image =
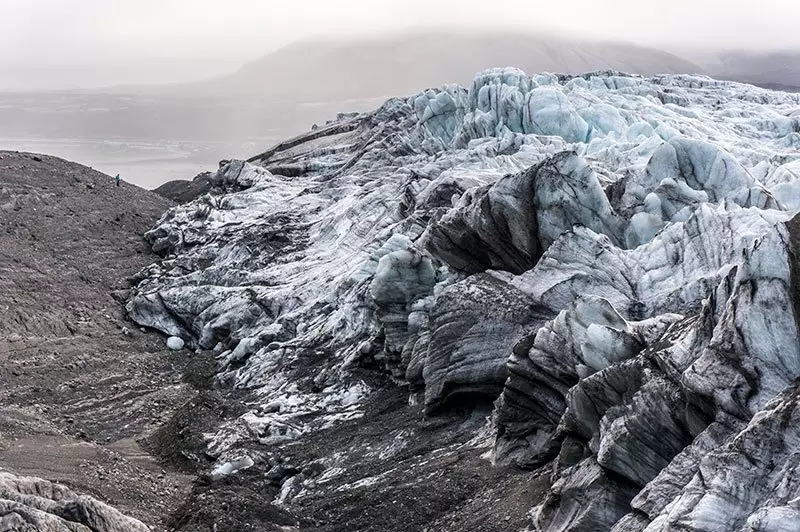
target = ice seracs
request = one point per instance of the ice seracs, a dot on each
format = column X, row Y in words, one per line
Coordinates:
column 612, row 259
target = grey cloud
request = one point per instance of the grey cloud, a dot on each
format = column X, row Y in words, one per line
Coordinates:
column 41, row 36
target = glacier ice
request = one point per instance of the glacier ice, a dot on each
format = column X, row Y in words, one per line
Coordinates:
column 611, row 258
column 28, row 503
column 175, row 343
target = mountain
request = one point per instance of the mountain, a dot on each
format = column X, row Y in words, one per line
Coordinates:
column 323, row 71
column 561, row 303
column 155, row 133
column 780, row 70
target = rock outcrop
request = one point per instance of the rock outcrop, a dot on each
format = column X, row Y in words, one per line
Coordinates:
column 35, row 504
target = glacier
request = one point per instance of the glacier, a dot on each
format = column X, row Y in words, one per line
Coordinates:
column 611, row 260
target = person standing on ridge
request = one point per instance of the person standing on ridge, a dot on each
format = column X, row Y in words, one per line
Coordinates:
column 117, row 179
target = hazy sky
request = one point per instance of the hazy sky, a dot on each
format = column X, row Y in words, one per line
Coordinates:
column 58, row 43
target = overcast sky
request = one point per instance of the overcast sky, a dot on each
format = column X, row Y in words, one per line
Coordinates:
column 60, row 43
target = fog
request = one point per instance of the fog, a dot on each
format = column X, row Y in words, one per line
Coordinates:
column 54, row 44
column 163, row 91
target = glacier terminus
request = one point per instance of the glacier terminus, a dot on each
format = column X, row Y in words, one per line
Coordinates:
column 607, row 263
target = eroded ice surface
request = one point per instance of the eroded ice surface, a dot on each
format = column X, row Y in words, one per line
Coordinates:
column 611, row 256
column 28, row 503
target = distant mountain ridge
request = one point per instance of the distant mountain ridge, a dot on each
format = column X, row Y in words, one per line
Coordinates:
column 288, row 90
column 317, row 71
column 777, row 70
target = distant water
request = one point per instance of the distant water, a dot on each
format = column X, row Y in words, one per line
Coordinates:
column 146, row 163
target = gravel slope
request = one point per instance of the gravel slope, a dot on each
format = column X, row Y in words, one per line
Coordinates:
column 79, row 385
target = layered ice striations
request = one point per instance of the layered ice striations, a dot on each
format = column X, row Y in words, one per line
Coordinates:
column 613, row 259
column 28, row 503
